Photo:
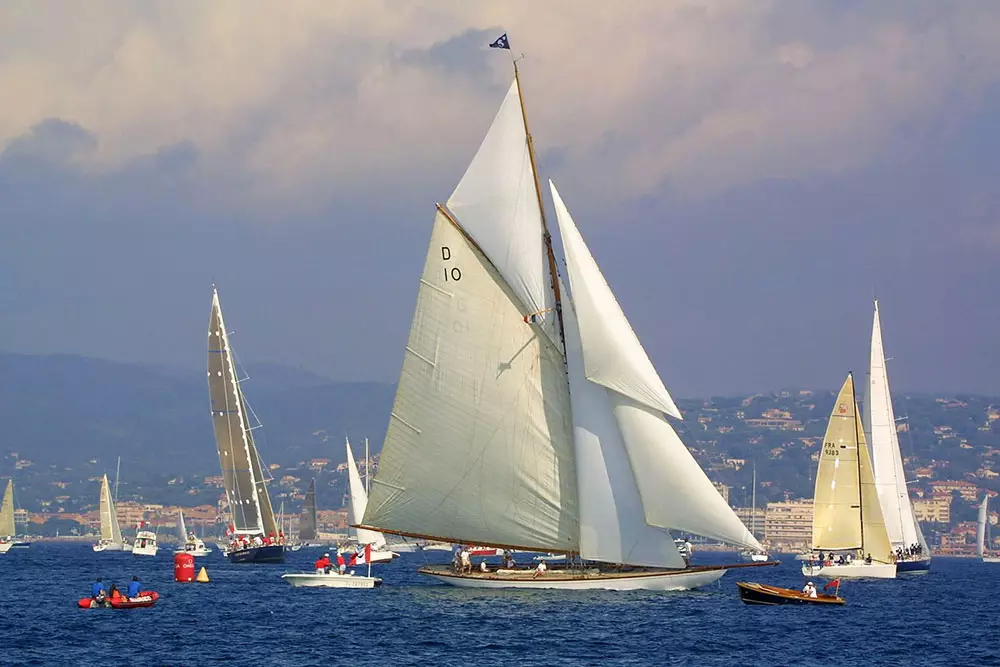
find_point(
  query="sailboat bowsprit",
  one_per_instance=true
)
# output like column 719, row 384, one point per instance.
column 254, row 536
column 511, row 401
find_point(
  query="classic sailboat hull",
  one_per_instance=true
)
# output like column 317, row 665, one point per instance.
column 913, row 566
column 272, row 553
column 581, row 580
column 855, row 570
column 761, row 594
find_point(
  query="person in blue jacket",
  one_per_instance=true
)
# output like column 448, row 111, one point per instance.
column 133, row 587
column 97, row 590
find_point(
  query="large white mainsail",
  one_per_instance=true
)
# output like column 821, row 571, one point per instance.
column 7, row 527
column 242, row 472
column 359, row 501
column 981, row 526
column 880, row 430
column 110, row 529
column 675, row 492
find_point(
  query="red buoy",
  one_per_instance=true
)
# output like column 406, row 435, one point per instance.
column 183, row 567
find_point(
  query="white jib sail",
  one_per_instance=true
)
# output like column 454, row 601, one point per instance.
column 7, row 527
column 676, row 494
column 479, row 445
column 880, row 422
column 981, row 526
column 497, row 205
column 613, row 526
column 110, row 529
column 359, row 501
column 181, row 528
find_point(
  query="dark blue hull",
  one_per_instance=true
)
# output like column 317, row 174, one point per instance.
column 274, row 553
column 913, row 566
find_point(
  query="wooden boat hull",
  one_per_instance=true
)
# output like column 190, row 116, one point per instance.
column 649, row 579
column 272, row 553
column 913, row 566
column 331, row 580
column 761, row 594
column 856, row 570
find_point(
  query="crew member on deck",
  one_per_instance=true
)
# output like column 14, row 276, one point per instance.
column 540, row 570
column 810, row 589
column 323, row 564
column 133, row 587
column 341, row 563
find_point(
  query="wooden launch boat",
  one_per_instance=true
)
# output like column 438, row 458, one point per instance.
column 753, row 593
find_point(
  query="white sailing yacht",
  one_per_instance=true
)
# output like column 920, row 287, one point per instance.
column 111, row 532
column 488, row 445
column 983, row 538
column 254, row 536
column 8, row 527
column 905, row 536
column 189, row 543
column 753, row 555
column 847, row 517
column 380, row 553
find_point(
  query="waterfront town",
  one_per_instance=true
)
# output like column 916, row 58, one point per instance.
column 950, row 446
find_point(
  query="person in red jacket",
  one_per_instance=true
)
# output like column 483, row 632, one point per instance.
column 323, row 565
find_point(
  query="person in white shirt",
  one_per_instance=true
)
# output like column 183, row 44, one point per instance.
column 466, row 561
column 482, row 566
column 810, row 590
column 540, row 570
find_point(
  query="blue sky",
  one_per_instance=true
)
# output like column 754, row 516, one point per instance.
column 747, row 174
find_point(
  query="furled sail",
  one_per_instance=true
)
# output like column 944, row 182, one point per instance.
column 110, row 529
column 307, row 520
column 479, row 446
column 674, row 490
column 497, row 205
column 7, row 528
column 242, row 473
column 613, row 528
column 359, row 501
column 880, row 430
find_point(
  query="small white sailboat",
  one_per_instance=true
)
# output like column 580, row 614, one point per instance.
column 380, row 553
column 908, row 544
column 7, row 526
column 752, row 555
column 111, row 532
column 847, row 518
column 145, row 541
column 984, row 543
column 486, row 442
column 189, row 543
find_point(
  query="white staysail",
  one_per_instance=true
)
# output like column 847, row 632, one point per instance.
column 880, row 429
column 981, row 526
column 359, row 501
column 497, row 205
column 479, row 447
column 181, row 528
column 110, row 530
column 613, row 528
column 675, row 492
column 7, row 527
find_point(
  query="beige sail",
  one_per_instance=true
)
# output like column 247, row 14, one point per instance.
column 479, row 446
column 110, row 529
column 7, row 511
column 874, row 536
column 837, row 509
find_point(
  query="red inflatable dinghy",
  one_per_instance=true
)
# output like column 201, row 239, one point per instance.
column 143, row 599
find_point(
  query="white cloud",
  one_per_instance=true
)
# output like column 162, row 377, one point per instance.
column 296, row 103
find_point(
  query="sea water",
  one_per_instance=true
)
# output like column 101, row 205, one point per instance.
column 247, row 615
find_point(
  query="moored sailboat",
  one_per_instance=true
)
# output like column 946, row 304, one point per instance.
column 111, row 532
column 908, row 544
column 984, row 543
column 848, row 529
column 253, row 535
column 488, row 445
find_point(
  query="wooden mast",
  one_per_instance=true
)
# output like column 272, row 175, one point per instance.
column 546, row 236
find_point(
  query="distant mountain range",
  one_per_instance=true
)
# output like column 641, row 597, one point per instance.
column 63, row 410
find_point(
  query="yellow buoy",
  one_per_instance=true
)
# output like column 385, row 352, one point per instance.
column 202, row 576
